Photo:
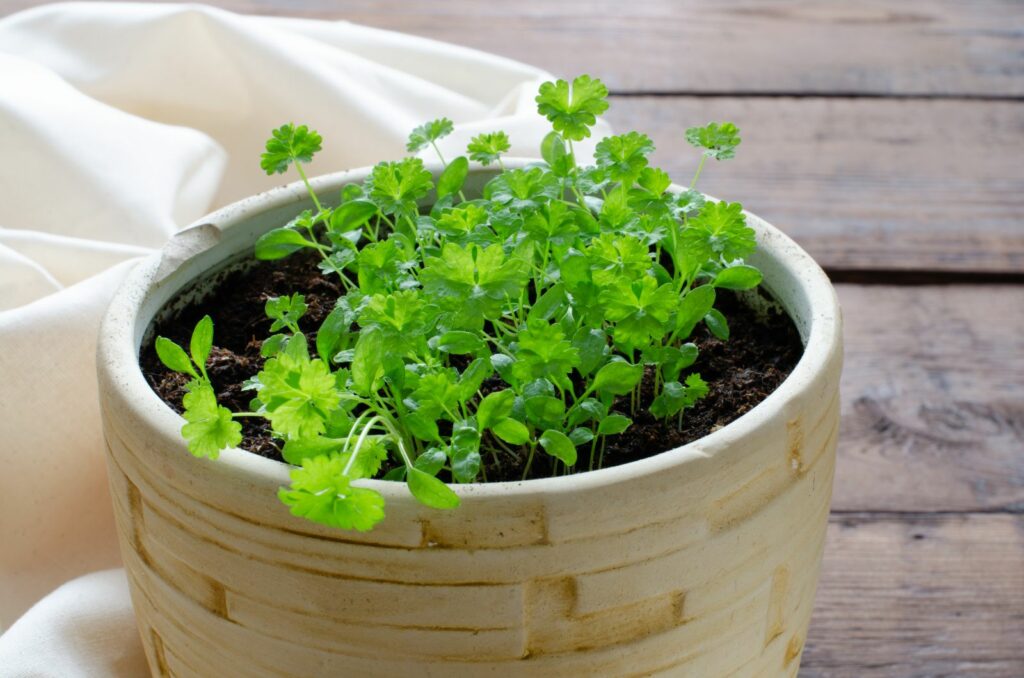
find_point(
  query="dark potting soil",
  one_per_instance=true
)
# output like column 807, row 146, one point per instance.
column 761, row 352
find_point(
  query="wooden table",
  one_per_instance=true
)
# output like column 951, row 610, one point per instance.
column 886, row 136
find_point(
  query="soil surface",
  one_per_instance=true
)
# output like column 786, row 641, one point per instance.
column 760, row 353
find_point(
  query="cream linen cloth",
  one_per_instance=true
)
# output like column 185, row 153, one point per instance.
column 119, row 125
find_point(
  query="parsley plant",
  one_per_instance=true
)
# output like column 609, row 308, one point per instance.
column 519, row 323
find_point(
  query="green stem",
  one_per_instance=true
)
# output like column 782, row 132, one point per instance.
column 700, row 167
column 302, row 173
column 438, row 151
column 359, row 444
column 529, row 458
column 574, row 174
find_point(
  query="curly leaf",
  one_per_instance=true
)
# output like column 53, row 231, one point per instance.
column 573, row 110
column 288, row 144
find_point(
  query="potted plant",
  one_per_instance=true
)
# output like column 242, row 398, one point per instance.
column 468, row 425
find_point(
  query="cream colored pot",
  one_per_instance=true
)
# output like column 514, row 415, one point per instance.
column 699, row 561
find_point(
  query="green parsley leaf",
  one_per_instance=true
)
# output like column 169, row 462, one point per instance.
column 639, row 309
column 473, row 282
column 401, row 316
column 615, row 258
column 427, row 133
column 718, row 231
column 523, row 189
column 654, row 180
column 209, row 428
column 719, row 140
column 676, row 397
column 298, row 394
column 624, row 157
column 461, row 220
column 543, row 352
column 487, row 148
column 288, row 144
column 286, row 311
column 437, row 393
column 573, row 111
column 396, row 186
column 321, row 492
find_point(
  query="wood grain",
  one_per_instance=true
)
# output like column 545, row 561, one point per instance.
column 922, row 595
column 924, row 566
column 874, row 47
column 932, row 399
column 864, row 184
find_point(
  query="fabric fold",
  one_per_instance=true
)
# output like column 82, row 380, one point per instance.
column 121, row 124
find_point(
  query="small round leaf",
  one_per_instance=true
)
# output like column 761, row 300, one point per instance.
column 429, row 490
column 279, row 243
column 618, row 378
column 174, row 356
column 738, row 278
column 511, row 431
column 558, row 445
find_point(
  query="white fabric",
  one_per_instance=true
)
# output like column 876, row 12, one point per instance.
column 119, row 125
column 84, row 629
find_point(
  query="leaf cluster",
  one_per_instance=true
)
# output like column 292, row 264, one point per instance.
column 482, row 332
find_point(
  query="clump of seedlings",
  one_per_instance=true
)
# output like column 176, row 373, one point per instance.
column 512, row 325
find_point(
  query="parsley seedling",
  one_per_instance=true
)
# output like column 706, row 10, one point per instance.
column 569, row 291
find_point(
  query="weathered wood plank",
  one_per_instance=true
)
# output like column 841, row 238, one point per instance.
column 932, row 399
column 929, row 47
column 922, row 595
column 862, row 184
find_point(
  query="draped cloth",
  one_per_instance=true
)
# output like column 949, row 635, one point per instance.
column 120, row 124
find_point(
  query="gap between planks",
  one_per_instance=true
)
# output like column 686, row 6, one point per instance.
column 902, row 47
column 936, row 595
column 864, row 185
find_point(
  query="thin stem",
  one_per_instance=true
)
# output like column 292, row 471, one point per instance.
column 438, row 151
column 497, row 460
column 529, row 458
column 700, row 167
column 302, row 173
column 359, row 445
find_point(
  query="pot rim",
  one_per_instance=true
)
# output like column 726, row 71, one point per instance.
column 118, row 364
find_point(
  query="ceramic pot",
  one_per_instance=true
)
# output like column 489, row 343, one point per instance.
column 701, row 561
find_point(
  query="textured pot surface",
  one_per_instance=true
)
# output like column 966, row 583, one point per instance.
column 699, row 561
